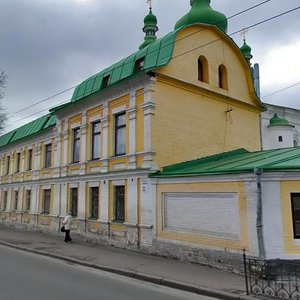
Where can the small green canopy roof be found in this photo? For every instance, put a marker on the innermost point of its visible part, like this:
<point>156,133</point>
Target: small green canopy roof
<point>277,121</point>
<point>237,161</point>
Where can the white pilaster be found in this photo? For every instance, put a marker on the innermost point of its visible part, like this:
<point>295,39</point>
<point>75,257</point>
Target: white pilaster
<point>82,200</point>
<point>132,201</point>
<point>104,151</point>
<point>104,201</point>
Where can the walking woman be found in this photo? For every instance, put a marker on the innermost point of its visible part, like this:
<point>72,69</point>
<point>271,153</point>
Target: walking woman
<point>67,223</point>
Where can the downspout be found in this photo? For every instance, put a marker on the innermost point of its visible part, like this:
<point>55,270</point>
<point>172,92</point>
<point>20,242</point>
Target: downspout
<point>259,215</point>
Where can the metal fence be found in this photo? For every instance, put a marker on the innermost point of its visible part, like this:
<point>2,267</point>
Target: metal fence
<point>277,279</point>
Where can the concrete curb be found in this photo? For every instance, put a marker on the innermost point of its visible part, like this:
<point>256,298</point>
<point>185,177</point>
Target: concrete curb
<point>136,275</point>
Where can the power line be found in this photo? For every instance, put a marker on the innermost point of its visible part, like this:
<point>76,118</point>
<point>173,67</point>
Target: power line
<point>240,30</point>
<point>44,100</point>
<point>279,91</point>
<point>248,27</point>
<point>230,17</point>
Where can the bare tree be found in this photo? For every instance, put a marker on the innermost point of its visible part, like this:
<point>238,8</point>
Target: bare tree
<point>3,78</point>
<point>3,116</point>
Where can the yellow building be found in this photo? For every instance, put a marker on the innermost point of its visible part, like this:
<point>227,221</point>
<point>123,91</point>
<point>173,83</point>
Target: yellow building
<point>187,95</point>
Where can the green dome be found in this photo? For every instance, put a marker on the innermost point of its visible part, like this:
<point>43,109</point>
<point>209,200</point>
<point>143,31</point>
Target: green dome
<point>246,50</point>
<point>201,12</point>
<point>277,121</point>
<point>150,28</point>
<point>150,19</point>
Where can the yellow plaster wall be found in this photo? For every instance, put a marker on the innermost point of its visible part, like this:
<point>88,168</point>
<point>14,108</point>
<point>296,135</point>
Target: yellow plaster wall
<point>234,187</point>
<point>195,41</point>
<point>286,188</point>
<point>190,123</point>
<point>139,121</point>
<point>194,119</point>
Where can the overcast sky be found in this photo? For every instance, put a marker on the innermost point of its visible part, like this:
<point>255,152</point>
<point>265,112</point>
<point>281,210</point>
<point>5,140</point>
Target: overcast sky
<point>48,46</point>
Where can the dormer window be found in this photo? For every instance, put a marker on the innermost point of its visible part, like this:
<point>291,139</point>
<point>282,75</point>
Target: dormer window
<point>105,81</point>
<point>203,74</point>
<point>139,65</point>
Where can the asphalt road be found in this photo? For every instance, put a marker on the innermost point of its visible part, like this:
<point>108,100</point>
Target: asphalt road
<point>29,276</point>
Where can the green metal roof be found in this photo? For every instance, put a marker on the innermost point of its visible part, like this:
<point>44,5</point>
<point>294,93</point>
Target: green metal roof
<point>238,161</point>
<point>156,55</point>
<point>27,130</point>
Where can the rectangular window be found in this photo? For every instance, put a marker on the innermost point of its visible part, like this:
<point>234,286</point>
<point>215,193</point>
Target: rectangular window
<point>96,140</point>
<point>48,154</point>
<point>120,134</point>
<point>74,201</point>
<point>76,145</point>
<point>4,200</point>
<point>16,199</point>
<point>94,202</point>
<point>28,200</point>
<point>29,160</point>
<point>18,162</point>
<point>7,164</point>
<point>295,197</point>
<point>46,201</point>
<point>119,203</point>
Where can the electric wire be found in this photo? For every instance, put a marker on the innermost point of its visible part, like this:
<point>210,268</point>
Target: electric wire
<point>201,46</point>
<point>230,17</point>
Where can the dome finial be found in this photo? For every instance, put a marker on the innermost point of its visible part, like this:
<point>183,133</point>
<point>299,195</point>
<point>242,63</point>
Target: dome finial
<point>246,49</point>
<point>150,27</point>
<point>150,4</point>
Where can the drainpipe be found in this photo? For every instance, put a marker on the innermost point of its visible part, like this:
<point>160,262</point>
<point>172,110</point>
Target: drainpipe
<point>259,215</point>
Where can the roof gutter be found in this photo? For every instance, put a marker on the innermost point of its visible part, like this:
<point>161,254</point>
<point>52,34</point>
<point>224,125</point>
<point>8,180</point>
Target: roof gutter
<point>259,215</point>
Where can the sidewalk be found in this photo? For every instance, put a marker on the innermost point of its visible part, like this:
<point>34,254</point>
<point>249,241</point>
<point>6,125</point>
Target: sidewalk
<point>160,270</point>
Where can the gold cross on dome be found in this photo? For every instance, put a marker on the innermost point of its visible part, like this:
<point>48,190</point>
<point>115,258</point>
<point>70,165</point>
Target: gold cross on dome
<point>150,3</point>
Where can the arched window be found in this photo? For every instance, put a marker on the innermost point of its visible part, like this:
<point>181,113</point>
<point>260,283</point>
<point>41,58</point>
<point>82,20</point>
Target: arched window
<point>203,74</point>
<point>223,77</point>
<point>280,139</point>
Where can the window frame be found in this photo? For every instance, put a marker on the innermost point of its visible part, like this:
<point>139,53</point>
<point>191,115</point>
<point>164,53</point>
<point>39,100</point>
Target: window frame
<point>119,128</point>
<point>16,200</point>
<point>94,202</point>
<point>203,70</point>
<point>5,197</point>
<point>74,201</point>
<point>46,201</point>
<point>27,200</point>
<point>223,77</point>
<point>18,162</point>
<point>29,159</point>
<point>7,164</point>
<point>76,145</point>
<point>94,136</point>
<point>295,222</point>
<point>119,203</point>
<point>48,155</point>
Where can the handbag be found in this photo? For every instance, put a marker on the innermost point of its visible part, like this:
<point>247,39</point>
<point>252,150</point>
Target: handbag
<point>62,229</point>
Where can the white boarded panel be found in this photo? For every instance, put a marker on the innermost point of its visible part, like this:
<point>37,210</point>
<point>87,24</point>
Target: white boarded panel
<point>210,214</point>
